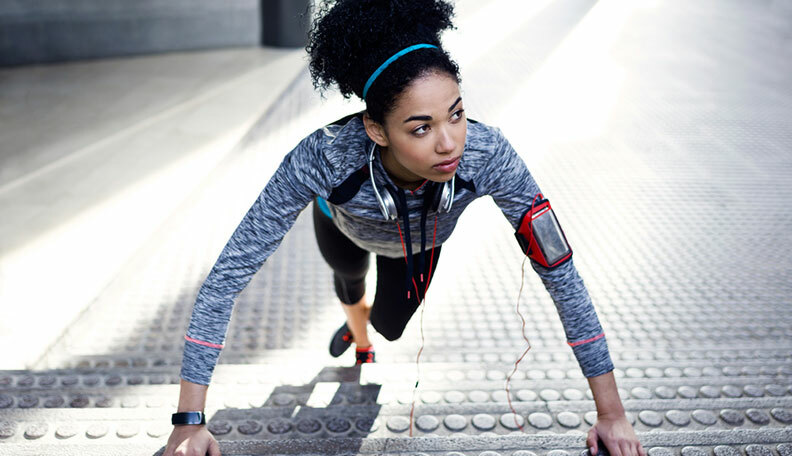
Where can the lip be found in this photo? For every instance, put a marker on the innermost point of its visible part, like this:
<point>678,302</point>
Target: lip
<point>447,166</point>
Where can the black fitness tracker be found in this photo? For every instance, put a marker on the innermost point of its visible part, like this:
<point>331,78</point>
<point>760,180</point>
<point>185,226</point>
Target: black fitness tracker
<point>188,418</point>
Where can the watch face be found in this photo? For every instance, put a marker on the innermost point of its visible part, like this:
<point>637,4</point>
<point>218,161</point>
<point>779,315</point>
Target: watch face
<point>188,418</point>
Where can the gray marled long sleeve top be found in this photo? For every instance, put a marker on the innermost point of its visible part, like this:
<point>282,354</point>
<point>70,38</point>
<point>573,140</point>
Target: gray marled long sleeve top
<point>320,164</point>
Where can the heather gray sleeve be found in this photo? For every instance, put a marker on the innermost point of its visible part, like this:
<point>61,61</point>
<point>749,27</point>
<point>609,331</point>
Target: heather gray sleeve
<point>303,174</point>
<point>506,178</point>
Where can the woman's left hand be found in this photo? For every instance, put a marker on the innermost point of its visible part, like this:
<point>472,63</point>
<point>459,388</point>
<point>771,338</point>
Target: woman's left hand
<point>618,436</point>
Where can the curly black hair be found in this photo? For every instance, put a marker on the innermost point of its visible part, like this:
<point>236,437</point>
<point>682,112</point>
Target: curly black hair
<point>350,39</point>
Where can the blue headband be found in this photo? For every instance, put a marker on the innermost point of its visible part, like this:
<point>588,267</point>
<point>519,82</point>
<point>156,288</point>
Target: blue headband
<point>389,61</point>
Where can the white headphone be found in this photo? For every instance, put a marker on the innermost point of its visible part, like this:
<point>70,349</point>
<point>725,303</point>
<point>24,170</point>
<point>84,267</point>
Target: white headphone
<point>442,200</point>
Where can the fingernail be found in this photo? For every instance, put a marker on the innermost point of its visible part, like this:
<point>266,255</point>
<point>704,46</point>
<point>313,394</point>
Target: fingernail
<point>591,451</point>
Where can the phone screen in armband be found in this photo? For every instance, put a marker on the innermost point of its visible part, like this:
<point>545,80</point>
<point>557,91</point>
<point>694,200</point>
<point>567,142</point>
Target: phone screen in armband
<point>549,237</point>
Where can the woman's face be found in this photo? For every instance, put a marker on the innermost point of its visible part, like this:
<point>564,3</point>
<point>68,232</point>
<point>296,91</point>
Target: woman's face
<point>423,137</point>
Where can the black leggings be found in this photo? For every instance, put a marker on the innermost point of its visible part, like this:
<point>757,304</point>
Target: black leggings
<point>391,309</point>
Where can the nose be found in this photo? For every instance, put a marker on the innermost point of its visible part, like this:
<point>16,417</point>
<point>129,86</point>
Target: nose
<point>445,142</point>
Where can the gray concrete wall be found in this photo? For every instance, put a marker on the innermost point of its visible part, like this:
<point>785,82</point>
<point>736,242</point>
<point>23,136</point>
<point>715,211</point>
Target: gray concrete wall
<point>37,31</point>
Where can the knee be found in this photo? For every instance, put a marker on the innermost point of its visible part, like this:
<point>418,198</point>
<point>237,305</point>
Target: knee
<point>388,333</point>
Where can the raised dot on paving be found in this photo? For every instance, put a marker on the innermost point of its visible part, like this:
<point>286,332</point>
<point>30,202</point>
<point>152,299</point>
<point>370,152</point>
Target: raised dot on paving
<point>495,375</point>
<point>280,426</point>
<point>558,453</point>
<point>634,372</point>
<point>753,390</point>
<point>427,423</point>
<point>653,372</point>
<point>455,423</point>
<point>523,453</point>
<point>112,380</point>
<point>757,416</point>
<point>489,453</point>
<point>397,424</point>
<point>641,393</point>
<point>36,431</point>
<point>731,391</point>
<point>784,449</point>
<point>709,392</point>
<point>430,397</point>
<point>672,372</point>
<point>53,401</point>
<point>283,399</point>
<point>219,427</point>
<point>687,392</point>
<point>694,451</point>
<point>6,401</point>
<point>650,418</point>
<point>540,420</point>
<point>775,390</point>
<point>692,372</point>
<point>660,451</point>
<point>454,397</point>
<point>782,415</point>
<point>572,394</point>
<point>66,430</point>
<point>758,450</point>
<point>27,401</point>
<point>664,392</point>
<point>157,430</point>
<point>710,371</point>
<point>308,426</point>
<point>723,450</point>
<point>366,424</point>
<point>704,417</point>
<point>130,402</point>
<point>568,419</point>
<point>478,396</point>
<point>549,395</point>
<point>26,381</point>
<point>7,429</point>
<point>127,430</point>
<point>512,421</point>
<point>80,401</point>
<point>733,417</point>
<point>526,395</point>
<point>96,431</point>
<point>590,417</point>
<point>483,422</point>
<point>249,427</point>
<point>678,417</point>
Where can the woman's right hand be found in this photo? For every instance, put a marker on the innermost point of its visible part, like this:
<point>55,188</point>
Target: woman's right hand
<point>191,440</point>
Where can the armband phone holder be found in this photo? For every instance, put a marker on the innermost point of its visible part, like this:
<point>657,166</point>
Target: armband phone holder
<point>540,235</point>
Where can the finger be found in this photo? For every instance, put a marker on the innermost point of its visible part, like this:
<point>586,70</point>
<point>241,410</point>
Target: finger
<point>626,449</point>
<point>214,448</point>
<point>615,450</point>
<point>641,450</point>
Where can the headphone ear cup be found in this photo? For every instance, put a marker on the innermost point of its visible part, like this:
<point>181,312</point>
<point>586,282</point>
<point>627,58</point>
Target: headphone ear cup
<point>390,199</point>
<point>443,196</point>
<point>436,196</point>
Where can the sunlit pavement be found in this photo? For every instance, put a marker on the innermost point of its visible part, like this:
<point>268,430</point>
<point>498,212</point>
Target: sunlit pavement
<point>661,131</point>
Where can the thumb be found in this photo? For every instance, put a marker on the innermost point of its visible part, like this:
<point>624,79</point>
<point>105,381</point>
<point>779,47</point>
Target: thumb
<point>214,448</point>
<point>592,441</point>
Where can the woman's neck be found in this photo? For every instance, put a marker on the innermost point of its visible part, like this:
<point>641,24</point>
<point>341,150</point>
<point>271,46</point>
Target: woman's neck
<point>399,175</point>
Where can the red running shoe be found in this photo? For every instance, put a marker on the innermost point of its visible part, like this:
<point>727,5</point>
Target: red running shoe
<point>341,340</point>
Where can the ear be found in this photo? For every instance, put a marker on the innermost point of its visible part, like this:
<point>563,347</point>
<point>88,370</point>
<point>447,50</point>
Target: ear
<point>375,131</point>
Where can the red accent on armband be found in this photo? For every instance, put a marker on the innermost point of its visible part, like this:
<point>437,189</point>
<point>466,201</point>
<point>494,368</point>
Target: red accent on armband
<point>200,342</point>
<point>575,344</point>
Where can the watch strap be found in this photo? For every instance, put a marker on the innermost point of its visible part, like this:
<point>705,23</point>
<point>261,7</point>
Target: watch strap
<point>182,418</point>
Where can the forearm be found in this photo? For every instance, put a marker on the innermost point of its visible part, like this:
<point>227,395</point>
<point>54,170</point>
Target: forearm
<point>606,395</point>
<point>192,397</point>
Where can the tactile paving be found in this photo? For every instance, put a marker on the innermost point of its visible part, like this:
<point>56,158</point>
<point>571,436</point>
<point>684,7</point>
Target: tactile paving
<point>677,208</point>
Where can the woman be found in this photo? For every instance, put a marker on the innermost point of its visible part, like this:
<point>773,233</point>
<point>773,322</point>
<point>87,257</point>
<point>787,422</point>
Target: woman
<point>387,180</point>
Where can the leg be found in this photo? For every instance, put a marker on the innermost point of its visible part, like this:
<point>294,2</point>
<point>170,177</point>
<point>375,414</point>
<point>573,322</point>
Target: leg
<point>350,264</point>
<point>391,309</point>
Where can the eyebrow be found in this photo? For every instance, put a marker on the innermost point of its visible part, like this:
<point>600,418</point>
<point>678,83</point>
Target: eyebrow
<point>411,118</point>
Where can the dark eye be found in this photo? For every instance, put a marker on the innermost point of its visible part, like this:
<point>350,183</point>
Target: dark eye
<point>458,114</point>
<point>420,130</point>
